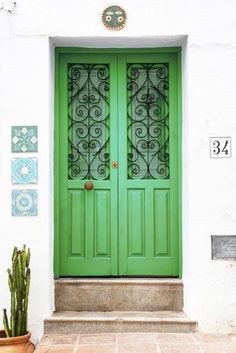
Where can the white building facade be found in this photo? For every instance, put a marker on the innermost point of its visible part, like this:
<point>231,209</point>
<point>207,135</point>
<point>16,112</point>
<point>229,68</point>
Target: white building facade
<point>206,33</point>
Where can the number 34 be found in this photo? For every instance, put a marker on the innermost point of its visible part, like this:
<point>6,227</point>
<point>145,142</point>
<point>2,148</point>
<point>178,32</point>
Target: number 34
<point>220,147</point>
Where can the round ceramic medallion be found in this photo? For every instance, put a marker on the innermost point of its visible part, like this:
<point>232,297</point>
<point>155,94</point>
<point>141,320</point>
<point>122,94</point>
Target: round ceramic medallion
<point>24,202</point>
<point>24,171</point>
<point>114,17</point>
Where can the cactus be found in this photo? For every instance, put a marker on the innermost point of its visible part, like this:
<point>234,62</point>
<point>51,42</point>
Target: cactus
<point>19,285</point>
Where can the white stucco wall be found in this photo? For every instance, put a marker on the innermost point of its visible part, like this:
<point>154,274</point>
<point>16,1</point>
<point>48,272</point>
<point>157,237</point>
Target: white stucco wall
<point>207,32</point>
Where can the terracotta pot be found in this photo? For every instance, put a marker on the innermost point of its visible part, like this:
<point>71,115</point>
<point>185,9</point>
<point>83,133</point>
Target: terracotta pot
<point>20,344</point>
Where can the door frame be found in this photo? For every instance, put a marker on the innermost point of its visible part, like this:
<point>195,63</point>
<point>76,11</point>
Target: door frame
<point>56,169</point>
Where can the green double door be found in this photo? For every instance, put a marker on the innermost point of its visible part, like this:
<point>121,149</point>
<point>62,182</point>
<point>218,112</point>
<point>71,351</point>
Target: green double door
<point>117,153</point>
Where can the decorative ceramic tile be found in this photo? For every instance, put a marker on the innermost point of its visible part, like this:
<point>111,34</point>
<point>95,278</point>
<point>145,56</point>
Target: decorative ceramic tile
<point>24,202</point>
<point>24,138</point>
<point>114,17</point>
<point>24,170</point>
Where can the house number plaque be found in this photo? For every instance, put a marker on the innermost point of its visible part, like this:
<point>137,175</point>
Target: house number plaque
<point>220,147</point>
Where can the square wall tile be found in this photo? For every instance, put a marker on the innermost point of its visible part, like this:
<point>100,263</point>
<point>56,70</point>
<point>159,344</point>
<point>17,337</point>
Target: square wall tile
<point>24,139</point>
<point>24,202</point>
<point>24,170</point>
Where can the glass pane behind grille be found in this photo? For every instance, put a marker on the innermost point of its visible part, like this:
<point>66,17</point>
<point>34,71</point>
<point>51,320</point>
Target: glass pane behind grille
<point>148,121</point>
<point>88,129</point>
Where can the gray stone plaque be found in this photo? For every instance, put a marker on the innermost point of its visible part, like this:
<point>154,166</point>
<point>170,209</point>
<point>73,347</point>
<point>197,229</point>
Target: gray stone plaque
<point>223,247</point>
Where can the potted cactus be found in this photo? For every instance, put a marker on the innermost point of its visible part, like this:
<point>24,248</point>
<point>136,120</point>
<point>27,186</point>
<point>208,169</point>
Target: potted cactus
<point>15,337</point>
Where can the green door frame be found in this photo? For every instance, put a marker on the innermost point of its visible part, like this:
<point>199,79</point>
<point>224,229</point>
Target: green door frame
<point>63,50</point>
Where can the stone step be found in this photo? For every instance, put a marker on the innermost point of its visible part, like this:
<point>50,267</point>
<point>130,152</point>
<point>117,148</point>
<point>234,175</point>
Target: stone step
<point>118,321</point>
<point>118,294</point>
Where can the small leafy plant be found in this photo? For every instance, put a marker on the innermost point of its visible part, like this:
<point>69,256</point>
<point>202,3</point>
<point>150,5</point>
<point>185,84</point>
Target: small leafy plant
<point>19,284</point>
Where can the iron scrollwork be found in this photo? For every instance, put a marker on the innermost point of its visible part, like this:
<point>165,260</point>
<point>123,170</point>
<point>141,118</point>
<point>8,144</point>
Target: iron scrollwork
<point>148,121</point>
<point>88,130</point>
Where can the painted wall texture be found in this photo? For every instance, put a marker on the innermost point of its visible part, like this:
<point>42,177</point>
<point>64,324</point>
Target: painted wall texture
<point>206,30</point>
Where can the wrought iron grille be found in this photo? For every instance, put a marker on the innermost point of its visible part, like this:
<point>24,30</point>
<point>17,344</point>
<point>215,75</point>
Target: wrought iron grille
<point>88,130</point>
<point>148,121</point>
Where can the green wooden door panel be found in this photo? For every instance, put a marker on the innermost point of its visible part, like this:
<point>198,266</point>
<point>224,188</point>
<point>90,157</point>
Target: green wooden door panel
<point>76,225</point>
<point>136,223</point>
<point>102,223</point>
<point>148,216</point>
<point>128,224</point>
<point>88,225</point>
<point>161,212</point>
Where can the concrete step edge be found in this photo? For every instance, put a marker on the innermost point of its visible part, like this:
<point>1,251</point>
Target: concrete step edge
<point>122,317</point>
<point>94,281</point>
<point>165,321</point>
<point>94,324</point>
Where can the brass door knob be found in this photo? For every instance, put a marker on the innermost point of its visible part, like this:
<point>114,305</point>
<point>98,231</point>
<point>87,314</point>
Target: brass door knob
<point>88,185</point>
<point>114,164</point>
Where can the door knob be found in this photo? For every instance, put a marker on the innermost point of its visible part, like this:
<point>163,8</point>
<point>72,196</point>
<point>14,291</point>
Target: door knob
<point>88,185</point>
<point>114,164</point>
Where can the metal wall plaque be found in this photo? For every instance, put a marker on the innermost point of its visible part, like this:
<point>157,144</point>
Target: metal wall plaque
<point>223,247</point>
<point>220,147</point>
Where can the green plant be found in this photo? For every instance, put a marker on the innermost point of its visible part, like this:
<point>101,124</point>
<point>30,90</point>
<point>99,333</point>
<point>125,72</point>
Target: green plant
<point>19,284</point>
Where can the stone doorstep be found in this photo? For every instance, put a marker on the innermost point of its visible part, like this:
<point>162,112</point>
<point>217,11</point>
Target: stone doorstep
<point>119,280</point>
<point>138,343</point>
<point>142,294</point>
<point>101,322</point>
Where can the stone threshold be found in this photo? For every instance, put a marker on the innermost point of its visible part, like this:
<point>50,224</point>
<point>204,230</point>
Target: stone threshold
<point>114,281</point>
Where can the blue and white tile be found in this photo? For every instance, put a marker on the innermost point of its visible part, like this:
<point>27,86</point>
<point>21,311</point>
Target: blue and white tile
<point>24,170</point>
<point>24,139</point>
<point>24,202</point>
